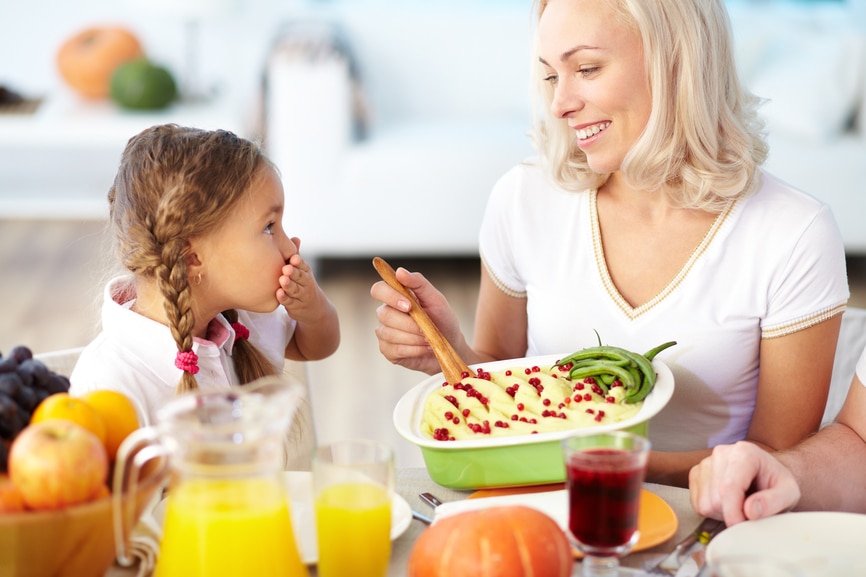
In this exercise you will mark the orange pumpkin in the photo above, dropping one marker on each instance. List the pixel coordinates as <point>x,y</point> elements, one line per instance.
<point>507,541</point>
<point>87,60</point>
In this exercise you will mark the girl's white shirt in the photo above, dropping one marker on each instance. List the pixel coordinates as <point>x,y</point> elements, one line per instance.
<point>135,355</point>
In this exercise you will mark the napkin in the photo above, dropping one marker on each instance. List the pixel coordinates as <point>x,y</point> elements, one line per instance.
<point>144,540</point>
<point>552,503</point>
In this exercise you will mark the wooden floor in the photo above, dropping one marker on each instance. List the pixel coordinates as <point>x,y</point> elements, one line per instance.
<point>51,279</point>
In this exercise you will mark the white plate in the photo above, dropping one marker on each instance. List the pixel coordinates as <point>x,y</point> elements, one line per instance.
<point>410,408</point>
<point>300,487</point>
<point>819,544</point>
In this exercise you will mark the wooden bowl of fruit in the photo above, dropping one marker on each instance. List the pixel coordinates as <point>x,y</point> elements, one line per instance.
<point>56,510</point>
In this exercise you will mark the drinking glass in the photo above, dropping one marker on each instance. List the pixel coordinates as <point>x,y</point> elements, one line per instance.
<point>604,474</point>
<point>749,566</point>
<point>353,485</point>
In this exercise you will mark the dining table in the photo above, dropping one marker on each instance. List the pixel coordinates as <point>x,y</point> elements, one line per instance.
<point>411,482</point>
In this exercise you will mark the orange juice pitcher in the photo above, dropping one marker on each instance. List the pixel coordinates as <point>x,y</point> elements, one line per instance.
<point>227,509</point>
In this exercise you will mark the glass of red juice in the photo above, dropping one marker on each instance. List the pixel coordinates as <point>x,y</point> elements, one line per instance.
<point>604,477</point>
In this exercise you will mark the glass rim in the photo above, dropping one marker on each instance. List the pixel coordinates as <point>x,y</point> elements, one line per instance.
<point>622,440</point>
<point>374,452</point>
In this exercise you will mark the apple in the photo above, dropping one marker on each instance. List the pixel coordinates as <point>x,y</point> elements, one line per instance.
<point>143,85</point>
<point>11,500</point>
<point>57,463</point>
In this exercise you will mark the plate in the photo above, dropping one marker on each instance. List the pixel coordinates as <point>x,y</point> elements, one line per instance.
<point>300,487</point>
<point>819,544</point>
<point>656,521</point>
<point>508,461</point>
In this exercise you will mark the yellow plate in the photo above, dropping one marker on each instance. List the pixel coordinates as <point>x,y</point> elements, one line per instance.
<point>656,521</point>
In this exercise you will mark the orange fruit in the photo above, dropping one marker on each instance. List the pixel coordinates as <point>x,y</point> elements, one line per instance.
<point>102,493</point>
<point>118,414</point>
<point>63,406</point>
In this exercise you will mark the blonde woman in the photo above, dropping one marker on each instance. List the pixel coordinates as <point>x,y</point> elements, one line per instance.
<point>646,217</point>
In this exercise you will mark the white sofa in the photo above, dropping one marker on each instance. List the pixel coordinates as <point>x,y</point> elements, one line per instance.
<point>445,95</point>
<point>445,109</point>
<point>809,61</point>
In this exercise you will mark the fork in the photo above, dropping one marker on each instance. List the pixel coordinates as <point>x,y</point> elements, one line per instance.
<point>702,534</point>
<point>430,499</point>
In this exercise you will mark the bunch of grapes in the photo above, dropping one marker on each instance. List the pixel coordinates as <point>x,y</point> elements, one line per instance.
<point>24,383</point>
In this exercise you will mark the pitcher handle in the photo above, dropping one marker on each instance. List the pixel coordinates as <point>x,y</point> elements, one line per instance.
<point>138,449</point>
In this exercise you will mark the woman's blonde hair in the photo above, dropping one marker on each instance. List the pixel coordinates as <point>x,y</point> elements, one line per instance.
<point>703,143</point>
<point>175,183</point>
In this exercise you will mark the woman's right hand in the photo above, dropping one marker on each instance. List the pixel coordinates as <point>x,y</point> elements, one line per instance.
<point>400,338</point>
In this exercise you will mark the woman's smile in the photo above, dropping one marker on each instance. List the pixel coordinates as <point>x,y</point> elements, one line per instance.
<point>586,134</point>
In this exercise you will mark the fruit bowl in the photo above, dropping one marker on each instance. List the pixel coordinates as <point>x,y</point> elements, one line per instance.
<point>509,461</point>
<point>76,541</point>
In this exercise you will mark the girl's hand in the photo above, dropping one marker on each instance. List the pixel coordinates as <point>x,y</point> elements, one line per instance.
<point>317,333</point>
<point>400,337</point>
<point>299,292</point>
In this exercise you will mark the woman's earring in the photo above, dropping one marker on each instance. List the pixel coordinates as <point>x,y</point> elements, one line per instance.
<point>198,279</point>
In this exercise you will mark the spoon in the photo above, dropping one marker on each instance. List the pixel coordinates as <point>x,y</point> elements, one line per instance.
<point>453,367</point>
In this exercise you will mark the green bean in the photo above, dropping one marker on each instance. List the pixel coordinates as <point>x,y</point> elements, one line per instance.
<point>601,368</point>
<point>608,363</point>
<point>650,354</point>
<point>593,353</point>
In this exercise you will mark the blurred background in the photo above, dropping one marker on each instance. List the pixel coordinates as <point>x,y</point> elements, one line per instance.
<point>390,121</point>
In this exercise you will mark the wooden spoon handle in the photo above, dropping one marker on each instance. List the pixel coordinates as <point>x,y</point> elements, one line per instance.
<point>453,367</point>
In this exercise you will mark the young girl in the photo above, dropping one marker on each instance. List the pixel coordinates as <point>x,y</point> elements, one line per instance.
<point>218,295</point>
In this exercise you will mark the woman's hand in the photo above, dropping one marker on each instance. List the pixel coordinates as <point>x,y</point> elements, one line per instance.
<point>720,485</point>
<point>400,338</point>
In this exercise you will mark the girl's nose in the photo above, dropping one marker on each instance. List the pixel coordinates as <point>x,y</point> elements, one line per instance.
<point>287,247</point>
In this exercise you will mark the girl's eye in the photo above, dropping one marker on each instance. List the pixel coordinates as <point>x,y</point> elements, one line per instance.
<point>589,71</point>
<point>550,79</point>
<point>270,228</point>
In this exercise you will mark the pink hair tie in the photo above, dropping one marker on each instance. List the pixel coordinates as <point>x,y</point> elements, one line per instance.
<point>241,332</point>
<point>187,361</point>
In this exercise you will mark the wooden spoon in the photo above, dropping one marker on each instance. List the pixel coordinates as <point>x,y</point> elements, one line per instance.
<point>453,367</point>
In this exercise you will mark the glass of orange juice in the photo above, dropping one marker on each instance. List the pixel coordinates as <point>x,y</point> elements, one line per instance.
<point>353,485</point>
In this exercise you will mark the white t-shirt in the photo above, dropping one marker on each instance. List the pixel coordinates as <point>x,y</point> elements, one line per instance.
<point>772,264</point>
<point>860,371</point>
<point>135,355</point>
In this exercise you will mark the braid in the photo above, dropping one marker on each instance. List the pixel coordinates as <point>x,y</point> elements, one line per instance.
<point>250,363</point>
<point>171,279</point>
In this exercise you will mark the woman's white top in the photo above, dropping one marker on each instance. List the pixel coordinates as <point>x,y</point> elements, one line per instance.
<point>135,355</point>
<point>771,264</point>
<point>860,370</point>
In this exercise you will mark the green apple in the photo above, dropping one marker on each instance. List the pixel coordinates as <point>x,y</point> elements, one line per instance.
<point>143,85</point>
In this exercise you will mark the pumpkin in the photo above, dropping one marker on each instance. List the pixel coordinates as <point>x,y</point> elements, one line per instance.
<point>87,60</point>
<point>505,541</point>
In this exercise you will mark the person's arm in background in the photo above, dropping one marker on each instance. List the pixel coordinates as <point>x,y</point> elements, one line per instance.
<point>794,379</point>
<point>827,471</point>
<point>830,467</point>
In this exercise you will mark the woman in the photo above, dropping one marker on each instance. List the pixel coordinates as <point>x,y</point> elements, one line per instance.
<point>646,217</point>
